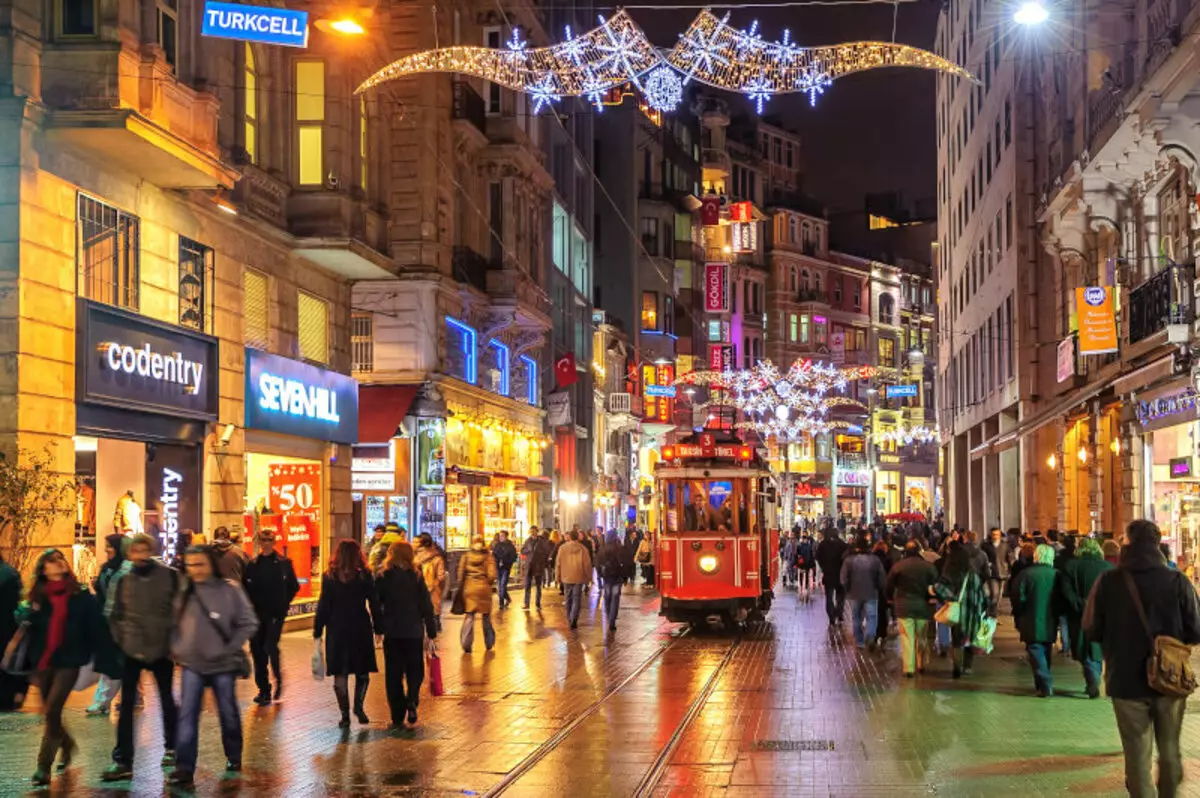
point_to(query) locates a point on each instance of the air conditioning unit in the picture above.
(620, 403)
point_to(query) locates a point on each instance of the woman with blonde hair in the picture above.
(408, 618)
(476, 575)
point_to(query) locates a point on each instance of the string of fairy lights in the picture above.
(710, 51)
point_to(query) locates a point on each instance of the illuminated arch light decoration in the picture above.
(710, 51)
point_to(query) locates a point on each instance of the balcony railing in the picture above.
(468, 105)
(1166, 298)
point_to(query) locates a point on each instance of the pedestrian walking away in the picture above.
(108, 686)
(215, 620)
(64, 636)
(348, 609)
(231, 559)
(645, 558)
(1078, 577)
(536, 553)
(476, 575)
(1143, 592)
(806, 564)
(573, 570)
(408, 617)
(505, 555)
(271, 584)
(961, 580)
(615, 566)
(140, 609)
(431, 566)
(1036, 609)
(830, 553)
(909, 588)
(863, 578)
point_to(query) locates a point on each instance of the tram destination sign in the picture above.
(706, 446)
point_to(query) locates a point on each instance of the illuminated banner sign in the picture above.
(741, 212)
(896, 391)
(173, 494)
(661, 390)
(720, 357)
(1181, 467)
(860, 479)
(1163, 407)
(745, 236)
(1066, 359)
(128, 361)
(716, 288)
(294, 398)
(1097, 324)
(255, 24)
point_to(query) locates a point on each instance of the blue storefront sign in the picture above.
(897, 391)
(256, 24)
(294, 398)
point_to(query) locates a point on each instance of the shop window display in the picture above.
(284, 495)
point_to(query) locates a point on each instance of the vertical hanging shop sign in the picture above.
(716, 288)
(1066, 358)
(1097, 324)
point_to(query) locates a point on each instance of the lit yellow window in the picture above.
(310, 118)
(251, 102)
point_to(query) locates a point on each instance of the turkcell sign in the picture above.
(296, 398)
(667, 391)
(256, 24)
(901, 390)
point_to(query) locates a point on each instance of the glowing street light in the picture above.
(346, 26)
(1031, 13)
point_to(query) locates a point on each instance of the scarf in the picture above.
(59, 595)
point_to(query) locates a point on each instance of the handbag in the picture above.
(1168, 669)
(950, 613)
(433, 663)
(16, 659)
(318, 660)
(243, 669)
(458, 605)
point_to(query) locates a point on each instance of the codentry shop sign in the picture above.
(132, 362)
(256, 24)
(295, 398)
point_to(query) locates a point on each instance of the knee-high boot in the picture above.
(341, 689)
(361, 683)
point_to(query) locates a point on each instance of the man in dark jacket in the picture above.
(1035, 597)
(230, 558)
(271, 584)
(536, 552)
(12, 688)
(830, 553)
(862, 578)
(505, 554)
(141, 614)
(1169, 602)
(909, 587)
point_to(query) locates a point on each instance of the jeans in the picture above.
(55, 685)
(163, 671)
(1092, 668)
(806, 579)
(1142, 723)
(864, 612)
(404, 662)
(530, 581)
(1064, 631)
(191, 703)
(264, 647)
(502, 577)
(1039, 663)
(835, 600)
(648, 574)
(574, 600)
(467, 637)
(612, 603)
(913, 644)
(106, 690)
(943, 636)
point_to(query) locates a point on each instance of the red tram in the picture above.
(716, 554)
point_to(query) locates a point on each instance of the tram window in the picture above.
(708, 505)
(672, 507)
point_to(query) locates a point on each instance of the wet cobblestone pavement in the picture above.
(651, 710)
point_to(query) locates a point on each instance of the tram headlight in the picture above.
(708, 564)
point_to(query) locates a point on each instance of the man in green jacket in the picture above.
(1076, 579)
(1035, 608)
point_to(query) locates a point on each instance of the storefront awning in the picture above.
(468, 476)
(538, 483)
(381, 408)
(1007, 440)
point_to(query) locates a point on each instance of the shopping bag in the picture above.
(948, 614)
(16, 660)
(318, 661)
(459, 605)
(433, 663)
(87, 678)
(985, 634)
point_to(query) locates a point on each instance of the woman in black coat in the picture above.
(349, 608)
(961, 578)
(408, 618)
(12, 688)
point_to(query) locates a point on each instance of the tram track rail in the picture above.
(658, 767)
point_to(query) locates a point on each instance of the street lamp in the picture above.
(344, 26)
(1031, 14)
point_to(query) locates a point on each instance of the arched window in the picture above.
(817, 237)
(887, 307)
(792, 280)
(804, 281)
(250, 101)
(817, 282)
(805, 236)
(791, 229)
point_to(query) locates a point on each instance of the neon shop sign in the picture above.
(295, 398)
(1174, 404)
(169, 521)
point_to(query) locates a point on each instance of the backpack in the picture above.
(1168, 669)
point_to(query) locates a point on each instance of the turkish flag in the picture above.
(710, 211)
(564, 370)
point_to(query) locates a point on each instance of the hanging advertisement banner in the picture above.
(558, 409)
(745, 236)
(837, 347)
(1066, 359)
(431, 453)
(720, 357)
(299, 535)
(741, 212)
(295, 489)
(716, 288)
(1097, 324)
